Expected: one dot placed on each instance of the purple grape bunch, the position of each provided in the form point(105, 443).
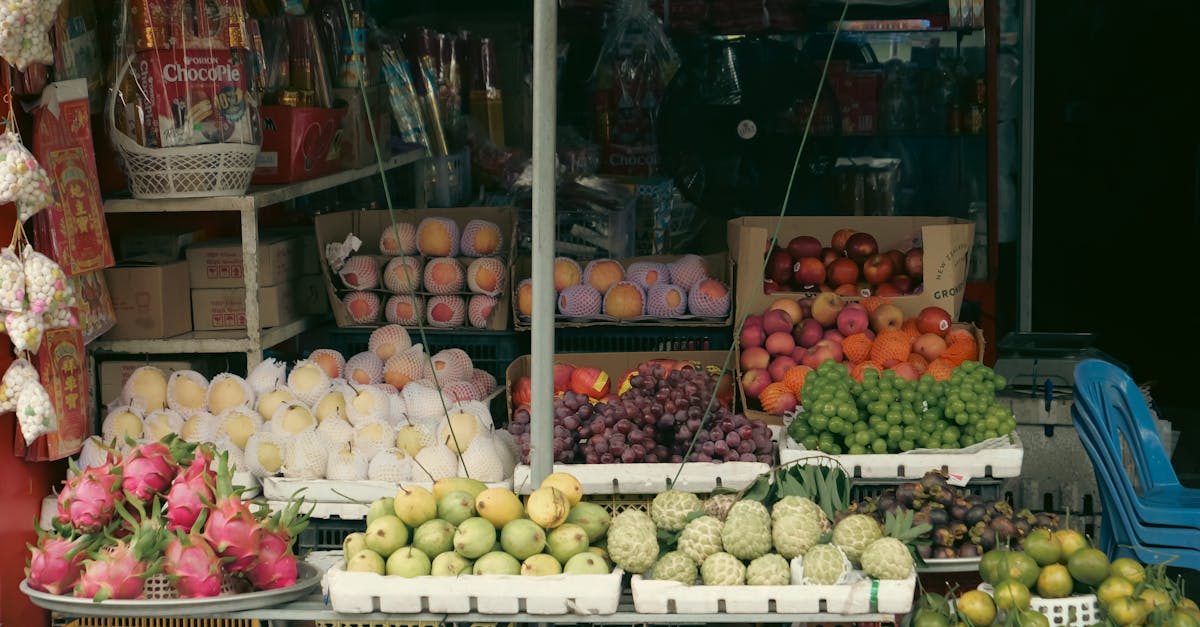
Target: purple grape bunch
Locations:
point(655, 420)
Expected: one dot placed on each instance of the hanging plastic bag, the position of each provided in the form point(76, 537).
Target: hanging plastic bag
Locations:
point(25, 329)
point(12, 281)
point(24, 36)
point(19, 374)
point(636, 64)
point(22, 179)
point(46, 286)
point(35, 412)
point(402, 96)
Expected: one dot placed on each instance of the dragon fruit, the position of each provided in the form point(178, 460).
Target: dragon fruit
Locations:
point(56, 562)
point(149, 469)
point(120, 570)
point(232, 529)
point(193, 565)
point(88, 500)
point(277, 565)
point(191, 490)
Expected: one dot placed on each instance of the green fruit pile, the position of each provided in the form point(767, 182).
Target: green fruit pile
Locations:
point(889, 414)
point(464, 527)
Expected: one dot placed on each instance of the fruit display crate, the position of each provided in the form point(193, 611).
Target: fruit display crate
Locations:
point(60, 620)
point(327, 534)
point(490, 351)
point(622, 339)
point(857, 597)
point(1074, 611)
point(651, 479)
point(355, 493)
point(987, 489)
point(560, 595)
point(997, 458)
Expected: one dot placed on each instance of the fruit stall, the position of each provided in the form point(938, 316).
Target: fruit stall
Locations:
point(317, 316)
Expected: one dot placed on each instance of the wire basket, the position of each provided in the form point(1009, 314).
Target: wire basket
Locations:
point(203, 170)
point(1073, 611)
point(160, 587)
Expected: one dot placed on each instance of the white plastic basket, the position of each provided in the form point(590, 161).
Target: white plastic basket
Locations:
point(1073, 611)
point(202, 170)
point(158, 587)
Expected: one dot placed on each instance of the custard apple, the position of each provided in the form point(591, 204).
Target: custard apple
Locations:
point(754, 508)
point(795, 534)
point(670, 509)
point(769, 570)
point(723, 569)
point(799, 505)
point(675, 566)
point(701, 538)
point(633, 541)
point(887, 558)
point(824, 565)
point(718, 505)
point(855, 533)
point(745, 536)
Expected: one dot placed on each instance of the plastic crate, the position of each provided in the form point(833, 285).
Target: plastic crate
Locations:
point(59, 620)
point(988, 489)
point(327, 534)
point(623, 339)
point(448, 180)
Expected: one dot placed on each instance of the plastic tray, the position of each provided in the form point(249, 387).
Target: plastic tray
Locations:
point(352, 492)
point(1073, 611)
point(672, 597)
point(997, 458)
point(951, 565)
point(359, 593)
point(698, 477)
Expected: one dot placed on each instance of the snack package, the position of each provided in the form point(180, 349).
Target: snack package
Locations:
point(25, 329)
point(402, 96)
point(22, 179)
point(19, 374)
point(12, 281)
point(25, 36)
point(76, 48)
point(35, 412)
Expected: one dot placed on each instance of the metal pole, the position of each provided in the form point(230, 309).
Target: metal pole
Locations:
point(1025, 298)
point(545, 45)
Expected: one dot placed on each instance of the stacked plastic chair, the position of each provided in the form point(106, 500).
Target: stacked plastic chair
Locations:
point(1159, 519)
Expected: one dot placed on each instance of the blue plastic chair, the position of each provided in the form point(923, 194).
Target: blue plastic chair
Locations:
point(1113, 406)
point(1121, 533)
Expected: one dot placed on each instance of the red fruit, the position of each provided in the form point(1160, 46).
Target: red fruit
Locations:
point(779, 366)
point(860, 246)
point(933, 319)
point(523, 391)
point(897, 258)
point(808, 272)
point(754, 381)
point(839, 239)
point(753, 358)
point(878, 269)
point(562, 377)
point(804, 246)
point(777, 321)
point(751, 337)
point(842, 270)
point(914, 263)
point(888, 289)
point(829, 255)
point(779, 266)
point(846, 289)
point(903, 282)
point(593, 382)
point(771, 287)
point(780, 343)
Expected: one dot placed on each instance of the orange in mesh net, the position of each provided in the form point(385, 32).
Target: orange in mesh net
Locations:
point(910, 328)
point(918, 362)
point(870, 303)
point(794, 378)
point(856, 347)
point(857, 371)
point(960, 346)
point(890, 344)
point(777, 398)
point(939, 369)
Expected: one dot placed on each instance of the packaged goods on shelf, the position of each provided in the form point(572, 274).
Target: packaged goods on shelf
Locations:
point(224, 308)
point(150, 299)
point(218, 263)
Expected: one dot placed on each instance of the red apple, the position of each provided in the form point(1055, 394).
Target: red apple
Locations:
point(798, 353)
point(888, 289)
point(897, 258)
point(755, 357)
point(808, 272)
point(933, 319)
point(860, 246)
point(790, 306)
point(903, 282)
point(839, 239)
point(779, 266)
point(842, 270)
point(846, 289)
point(929, 345)
point(828, 255)
point(777, 321)
point(914, 262)
point(865, 289)
point(754, 381)
point(905, 371)
point(853, 319)
point(751, 337)
point(826, 307)
point(808, 333)
point(753, 320)
point(824, 350)
point(771, 287)
point(833, 335)
point(824, 287)
point(805, 303)
point(878, 269)
point(562, 377)
point(780, 343)
point(886, 316)
point(779, 366)
point(803, 246)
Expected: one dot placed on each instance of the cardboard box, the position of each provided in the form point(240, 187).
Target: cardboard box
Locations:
point(310, 258)
point(357, 148)
point(309, 296)
point(299, 143)
point(720, 267)
point(369, 225)
point(163, 243)
point(218, 263)
point(150, 299)
point(113, 375)
point(946, 241)
point(615, 365)
point(225, 309)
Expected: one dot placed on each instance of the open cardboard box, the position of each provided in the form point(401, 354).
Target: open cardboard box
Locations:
point(753, 410)
point(720, 267)
point(369, 226)
point(946, 242)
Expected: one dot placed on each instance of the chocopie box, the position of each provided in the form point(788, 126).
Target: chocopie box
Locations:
point(194, 96)
point(299, 143)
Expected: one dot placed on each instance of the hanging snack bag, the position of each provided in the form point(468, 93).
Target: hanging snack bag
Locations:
point(22, 179)
point(35, 412)
point(25, 329)
point(12, 281)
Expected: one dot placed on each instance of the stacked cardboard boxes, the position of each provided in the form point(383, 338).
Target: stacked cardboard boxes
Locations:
point(217, 284)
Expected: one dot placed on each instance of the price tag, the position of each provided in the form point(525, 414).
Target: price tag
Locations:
point(958, 479)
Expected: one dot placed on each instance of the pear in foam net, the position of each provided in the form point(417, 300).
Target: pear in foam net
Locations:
point(228, 390)
point(187, 392)
point(146, 389)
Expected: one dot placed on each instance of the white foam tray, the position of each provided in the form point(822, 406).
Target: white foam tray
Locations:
point(699, 477)
point(326, 491)
point(997, 458)
point(360, 593)
point(316, 509)
point(672, 597)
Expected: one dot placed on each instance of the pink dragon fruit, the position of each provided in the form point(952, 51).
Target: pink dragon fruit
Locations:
point(277, 565)
point(56, 562)
point(89, 499)
point(149, 468)
point(120, 570)
point(232, 529)
point(191, 491)
point(193, 565)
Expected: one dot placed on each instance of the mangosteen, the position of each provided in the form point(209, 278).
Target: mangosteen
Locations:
point(959, 530)
point(974, 499)
point(925, 550)
point(1049, 520)
point(1023, 527)
point(1004, 527)
point(922, 517)
point(946, 496)
point(969, 550)
point(934, 479)
point(958, 511)
point(895, 509)
point(906, 492)
point(975, 515)
point(944, 553)
point(1026, 515)
point(942, 536)
point(938, 516)
point(885, 502)
point(1001, 508)
point(987, 539)
point(917, 504)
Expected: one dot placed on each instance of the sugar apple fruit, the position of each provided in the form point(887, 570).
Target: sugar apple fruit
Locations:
point(723, 569)
point(824, 565)
point(752, 508)
point(799, 505)
point(794, 534)
point(855, 533)
point(632, 541)
point(675, 566)
point(769, 570)
point(701, 538)
point(746, 536)
point(718, 505)
point(669, 510)
point(887, 558)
